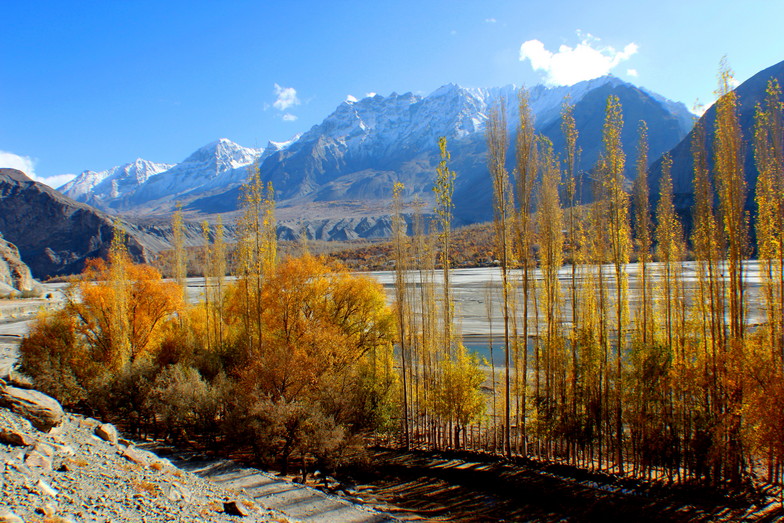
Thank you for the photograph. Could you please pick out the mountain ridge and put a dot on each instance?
(365, 146)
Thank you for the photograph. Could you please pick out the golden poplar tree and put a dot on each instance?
(119, 327)
(569, 130)
(257, 251)
(180, 257)
(444, 188)
(549, 222)
(502, 200)
(769, 157)
(731, 185)
(401, 291)
(525, 178)
(612, 163)
(219, 278)
(669, 247)
(642, 233)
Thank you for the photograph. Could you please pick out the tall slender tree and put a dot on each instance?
(444, 189)
(769, 157)
(525, 179)
(642, 234)
(612, 165)
(401, 290)
(497, 143)
(180, 256)
(731, 185)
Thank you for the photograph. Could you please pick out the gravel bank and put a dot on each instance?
(70, 474)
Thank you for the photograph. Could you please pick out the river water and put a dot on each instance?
(473, 289)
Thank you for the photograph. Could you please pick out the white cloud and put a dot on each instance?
(490, 20)
(14, 161)
(632, 72)
(27, 166)
(351, 98)
(57, 180)
(370, 94)
(569, 65)
(286, 97)
(288, 117)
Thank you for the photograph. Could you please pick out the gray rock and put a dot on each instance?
(43, 411)
(19, 380)
(48, 510)
(45, 488)
(134, 456)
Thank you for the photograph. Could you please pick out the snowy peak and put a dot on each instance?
(274, 147)
(204, 168)
(91, 186)
(451, 110)
(222, 155)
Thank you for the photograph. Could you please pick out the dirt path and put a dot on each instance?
(298, 502)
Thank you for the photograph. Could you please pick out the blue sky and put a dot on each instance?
(90, 85)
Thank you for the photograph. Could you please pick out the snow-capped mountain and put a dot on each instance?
(206, 167)
(111, 184)
(364, 146)
(359, 151)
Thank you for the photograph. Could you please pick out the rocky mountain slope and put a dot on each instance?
(749, 93)
(54, 234)
(15, 277)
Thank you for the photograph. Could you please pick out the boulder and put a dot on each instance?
(35, 459)
(45, 488)
(134, 456)
(107, 432)
(9, 436)
(14, 274)
(234, 508)
(20, 380)
(43, 411)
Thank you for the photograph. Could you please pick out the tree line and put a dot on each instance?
(651, 369)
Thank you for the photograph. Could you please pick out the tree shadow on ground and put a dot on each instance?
(463, 487)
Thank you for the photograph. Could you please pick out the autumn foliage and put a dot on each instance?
(319, 377)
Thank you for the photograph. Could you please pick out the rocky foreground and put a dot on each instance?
(80, 470)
